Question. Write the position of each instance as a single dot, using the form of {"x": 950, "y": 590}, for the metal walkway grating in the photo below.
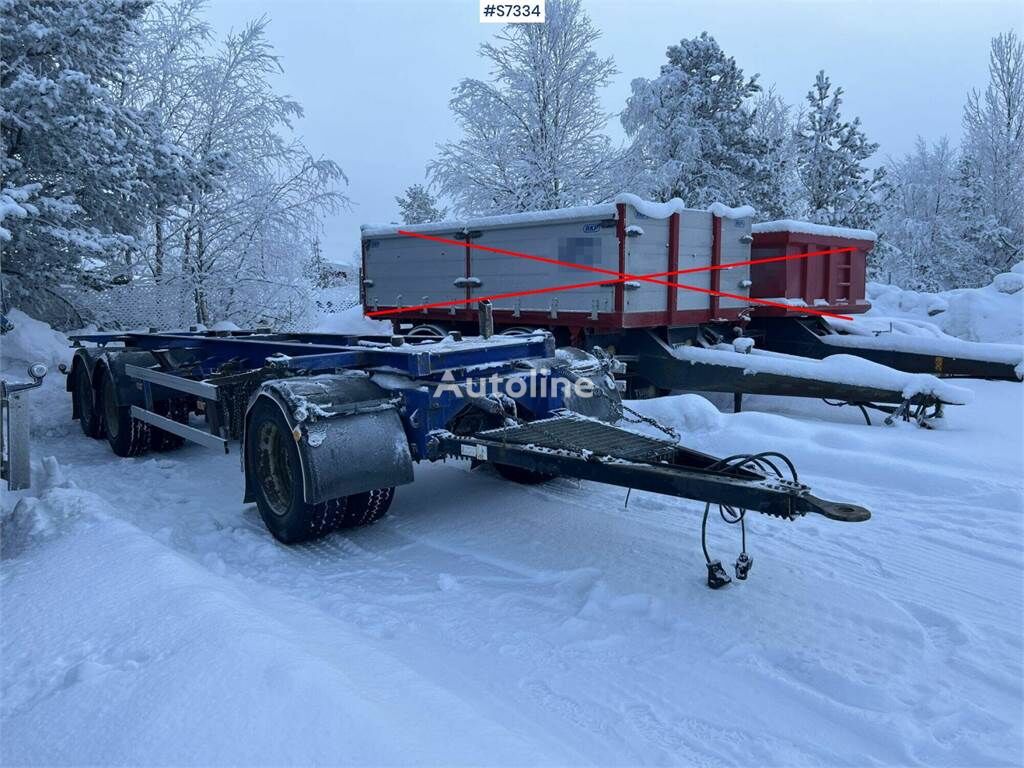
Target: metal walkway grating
{"x": 577, "y": 434}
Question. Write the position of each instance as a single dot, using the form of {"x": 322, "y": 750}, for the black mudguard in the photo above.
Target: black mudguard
{"x": 349, "y": 434}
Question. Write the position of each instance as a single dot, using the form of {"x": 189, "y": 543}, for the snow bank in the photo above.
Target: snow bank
{"x": 807, "y": 228}
{"x": 688, "y": 414}
{"x": 994, "y": 313}
{"x": 352, "y": 321}
{"x": 32, "y": 341}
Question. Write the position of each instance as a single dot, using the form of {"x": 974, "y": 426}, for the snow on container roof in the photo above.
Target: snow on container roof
{"x": 508, "y": 219}
{"x": 807, "y": 228}
{"x": 648, "y": 208}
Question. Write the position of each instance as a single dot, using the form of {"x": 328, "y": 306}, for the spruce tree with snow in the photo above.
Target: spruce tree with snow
{"x": 533, "y": 137}
{"x": 418, "y": 206}
{"x": 83, "y": 168}
{"x": 838, "y": 187}
{"x": 691, "y": 128}
{"x": 992, "y": 166}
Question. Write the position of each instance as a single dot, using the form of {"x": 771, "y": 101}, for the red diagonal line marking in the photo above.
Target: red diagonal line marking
{"x": 619, "y": 277}
{"x": 647, "y": 278}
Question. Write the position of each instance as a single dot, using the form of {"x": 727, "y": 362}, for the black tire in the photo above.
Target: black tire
{"x": 83, "y": 394}
{"x": 369, "y": 507}
{"x": 523, "y": 476}
{"x": 176, "y": 410}
{"x": 127, "y": 436}
{"x": 275, "y": 475}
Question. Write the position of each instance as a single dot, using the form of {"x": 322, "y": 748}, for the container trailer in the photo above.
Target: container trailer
{"x": 702, "y": 300}
{"x": 329, "y": 425}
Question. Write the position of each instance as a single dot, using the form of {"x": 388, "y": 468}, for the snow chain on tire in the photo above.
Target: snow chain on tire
{"x": 127, "y": 436}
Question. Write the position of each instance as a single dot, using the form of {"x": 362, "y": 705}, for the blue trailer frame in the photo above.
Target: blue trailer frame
{"x": 358, "y": 411}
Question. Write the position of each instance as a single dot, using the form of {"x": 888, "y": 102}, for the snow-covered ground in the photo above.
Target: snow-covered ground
{"x": 993, "y": 313}
{"x": 148, "y": 617}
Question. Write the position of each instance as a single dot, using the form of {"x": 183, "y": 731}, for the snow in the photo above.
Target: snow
{"x": 725, "y": 212}
{"x": 985, "y": 314}
{"x": 647, "y": 208}
{"x": 807, "y": 228}
{"x": 510, "y": 219}
{"x": 743, "y": 344}
{"x": 352, "y": 321}
{"x": 982, "y": 323}
{"x": 841, "y": 369}
{"x": 32, "y": 341}
{"x": 871, "y": 333}
{"x": 149, "y": 618}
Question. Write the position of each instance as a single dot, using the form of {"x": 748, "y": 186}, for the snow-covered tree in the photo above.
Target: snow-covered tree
{"x": 242, "y": 238}
{"x": 691, "y": 128}
{"x": 533, "y": 136}
{"x": 418, "y": 206}
{"x": 922, "y": 244}
{"x": 838, "y": 187}
{"x": 775, "y": 192}
{"x": 992, "y": 167}
{"x": 85, "y": 168}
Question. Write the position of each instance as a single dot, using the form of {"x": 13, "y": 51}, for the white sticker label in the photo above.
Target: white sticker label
{"x": 475, "y": 452}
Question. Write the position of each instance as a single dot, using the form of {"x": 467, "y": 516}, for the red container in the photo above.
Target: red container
{"x": 831, "y": 282}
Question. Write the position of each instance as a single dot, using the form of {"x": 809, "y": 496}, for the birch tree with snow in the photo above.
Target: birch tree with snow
{"x": 922, "y": 246}
{"x": 240, "y": 241}
{"x": 775, "y": 191}
{"x": 992, "y": 166}
{"x": 690, "y": 128}
{"x": 533, "y": 136}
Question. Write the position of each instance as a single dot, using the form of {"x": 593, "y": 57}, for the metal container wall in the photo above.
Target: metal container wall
{"x": 402, "y": 271}
{"x": 834, "y": 281}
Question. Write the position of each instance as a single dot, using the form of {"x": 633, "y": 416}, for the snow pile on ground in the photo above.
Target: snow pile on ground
{"x": 352, "y": 320}
{"x": 994, "y": 313}
{"x": 32, "y": 341}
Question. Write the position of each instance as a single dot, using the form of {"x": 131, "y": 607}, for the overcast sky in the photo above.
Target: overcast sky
{"x": 375, "y": 77}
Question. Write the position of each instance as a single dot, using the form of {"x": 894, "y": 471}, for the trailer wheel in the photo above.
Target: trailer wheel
{"x": 272, "y": 463}
{"x": 127, "y": 436}
{"x": 369, "y": 507}
{"x": 84, "y": 395}
{"x": 427, "y": 331}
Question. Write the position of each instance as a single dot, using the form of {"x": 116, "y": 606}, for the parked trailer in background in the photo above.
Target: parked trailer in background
{"x": 329, "y": 425}
{"x": 837, "y": 282}
{"x": 624, "y": 266}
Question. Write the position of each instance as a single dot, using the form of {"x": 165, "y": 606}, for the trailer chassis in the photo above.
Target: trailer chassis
{"x": 329, "y": 425}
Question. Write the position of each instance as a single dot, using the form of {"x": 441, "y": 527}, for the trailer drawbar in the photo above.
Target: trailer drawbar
{"x": 329, "y": 425}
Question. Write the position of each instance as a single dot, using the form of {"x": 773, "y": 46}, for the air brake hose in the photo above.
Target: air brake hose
{"x": 717, "y": 576}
